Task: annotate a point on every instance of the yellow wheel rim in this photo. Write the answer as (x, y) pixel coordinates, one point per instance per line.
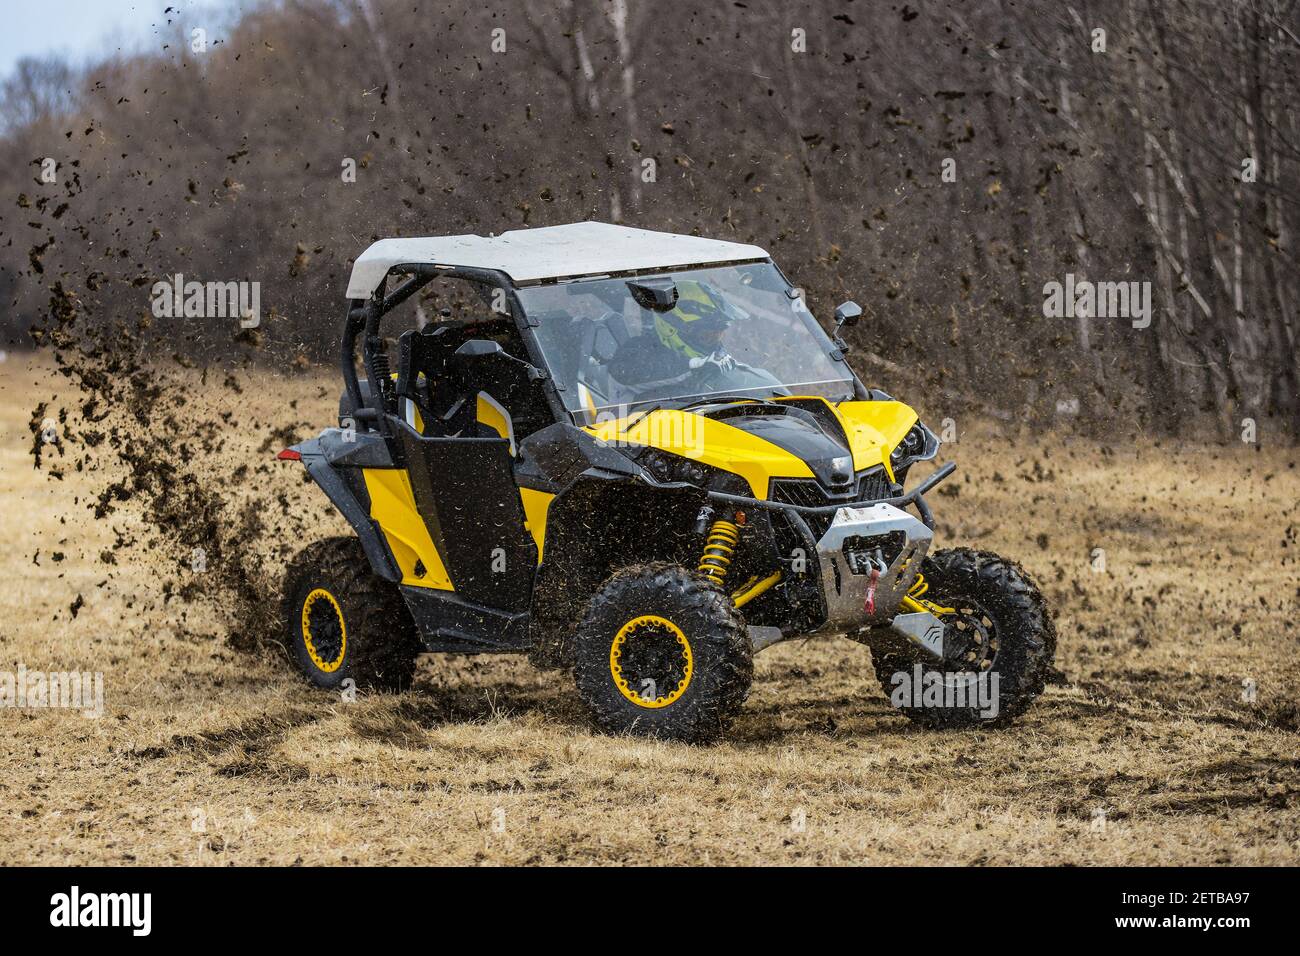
(321, 596)
(620, 645)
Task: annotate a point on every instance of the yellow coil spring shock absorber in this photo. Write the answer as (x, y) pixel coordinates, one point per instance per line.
(721, 544)
(913, 601)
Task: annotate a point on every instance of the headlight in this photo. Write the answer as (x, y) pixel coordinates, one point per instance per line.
(665, 467)
(919, 444)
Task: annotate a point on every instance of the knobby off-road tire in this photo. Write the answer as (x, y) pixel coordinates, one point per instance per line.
(1001, 593)
(343, 621)
(662, 652)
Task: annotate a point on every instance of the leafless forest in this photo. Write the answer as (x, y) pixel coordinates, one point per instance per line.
(1126, 140)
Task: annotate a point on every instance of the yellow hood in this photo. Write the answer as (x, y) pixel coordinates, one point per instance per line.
(873, 429)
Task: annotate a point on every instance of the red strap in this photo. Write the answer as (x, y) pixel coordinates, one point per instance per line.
(870, 606)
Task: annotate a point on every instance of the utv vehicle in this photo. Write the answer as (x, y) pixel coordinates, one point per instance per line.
(636, 456)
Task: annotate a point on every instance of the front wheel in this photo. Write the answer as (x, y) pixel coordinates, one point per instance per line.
(663, 653)
(999, 642)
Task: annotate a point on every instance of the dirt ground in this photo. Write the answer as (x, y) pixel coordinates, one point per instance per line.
(1151, 751)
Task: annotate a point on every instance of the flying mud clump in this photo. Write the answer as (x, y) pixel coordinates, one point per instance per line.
(176, 501)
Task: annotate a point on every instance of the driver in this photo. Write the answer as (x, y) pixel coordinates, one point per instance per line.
(683, 340)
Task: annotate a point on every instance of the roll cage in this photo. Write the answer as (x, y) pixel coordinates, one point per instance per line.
(364, 317)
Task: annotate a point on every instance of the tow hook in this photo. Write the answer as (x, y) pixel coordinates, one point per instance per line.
(870, 605)
(878, 566)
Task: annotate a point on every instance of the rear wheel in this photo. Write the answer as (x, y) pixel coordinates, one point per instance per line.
(663, 653)
(999, 642)
(343, 621)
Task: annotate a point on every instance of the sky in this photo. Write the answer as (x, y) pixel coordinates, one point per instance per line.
(89, 30)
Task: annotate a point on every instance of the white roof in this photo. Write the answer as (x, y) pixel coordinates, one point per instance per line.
(549, 252)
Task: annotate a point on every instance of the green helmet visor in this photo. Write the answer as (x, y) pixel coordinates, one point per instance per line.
(696, 325)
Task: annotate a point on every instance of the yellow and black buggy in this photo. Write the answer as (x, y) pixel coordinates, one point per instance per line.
(637, 456)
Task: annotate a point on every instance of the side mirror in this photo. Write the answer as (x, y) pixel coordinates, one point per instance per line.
(479, 348)
(486, 348)
(847, 315)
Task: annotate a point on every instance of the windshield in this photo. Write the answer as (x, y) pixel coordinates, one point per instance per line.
(732, 330)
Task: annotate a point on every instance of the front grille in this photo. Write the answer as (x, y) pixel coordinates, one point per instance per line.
(808, 492)
(800, 491)
(875, 485)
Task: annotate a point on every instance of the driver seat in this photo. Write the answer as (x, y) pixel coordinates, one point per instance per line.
(600, 342)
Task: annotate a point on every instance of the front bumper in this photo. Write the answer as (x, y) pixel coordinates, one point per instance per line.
(879, 537)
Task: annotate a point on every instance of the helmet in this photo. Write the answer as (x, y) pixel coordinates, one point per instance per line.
(695, 325)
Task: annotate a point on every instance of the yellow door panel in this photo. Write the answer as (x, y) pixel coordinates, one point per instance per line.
(536, 504)
(392, 505)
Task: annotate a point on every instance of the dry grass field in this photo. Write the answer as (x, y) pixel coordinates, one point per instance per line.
(1147, 752)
